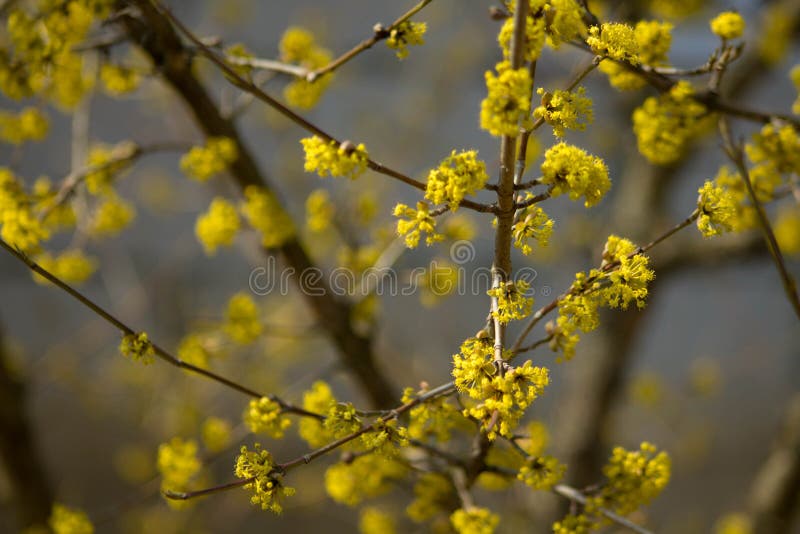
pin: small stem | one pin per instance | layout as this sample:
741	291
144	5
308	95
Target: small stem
186	495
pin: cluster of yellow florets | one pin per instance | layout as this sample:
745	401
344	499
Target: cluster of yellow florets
458	175
217	434
218	226
433	493
342	420
405	34
242	322
542	472
508	100
318	399
634	477
374	521
299	47
138	348
787	230
474	521
367	476
565	110
615	41
257	467
532	224
65	520
665	124
329	158
203	162
654	40
571	170
30	124
776	147
434	418
266	415
119	80
565	20
71	266
264	213
385	439
19	226
319	211
575	312
717	210
728	25
195	349
629	279
794	74
512	304
111	215
106	164
177	463
534	36
414	222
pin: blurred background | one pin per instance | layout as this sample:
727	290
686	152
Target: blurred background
705	371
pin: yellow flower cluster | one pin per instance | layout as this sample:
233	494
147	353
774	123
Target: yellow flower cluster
787	230
71	266
542	472
532	224
508	100
565	110
65	520
404	34
628	280
728	25
257	466
512	304
177	463
299	47
386	439
19	226
794	74
318	399
435	418
375	521
329	158
110	216
367	476
574	312
342	420
242	321
534	36
665	124
474	521
777	148
266	415
414	222
30	124
615	41
319	211
571	170
218	226
634	477
733	188
264	213
216	433
40	58
194	349
458	175
59	217
507	395
138	348
654	40
203	162
734	524
717	210
119	80
565	19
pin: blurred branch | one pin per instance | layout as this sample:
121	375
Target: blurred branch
774	495
161	353
23	465
156	36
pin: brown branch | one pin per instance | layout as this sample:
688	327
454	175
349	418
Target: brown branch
154	32
127	330
736	155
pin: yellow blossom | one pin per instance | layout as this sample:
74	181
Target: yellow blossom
531	224
413	222
318	399
264	213
616	41
433	493
541	473
193	350
404	34
65	520
329	158
512	304
794	74
110	217
787	230
218	226
457	176
265	415
138	348
374	521
242	322
474	521
217	434
365	477
728	25
30	124
257	466
203	162
565	110
19	226
71	266
565	20
299	47
654	39
119	80
178	463
106	164
717	208
508	100
534	36
571	170
319	210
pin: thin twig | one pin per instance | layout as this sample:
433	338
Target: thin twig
576	496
